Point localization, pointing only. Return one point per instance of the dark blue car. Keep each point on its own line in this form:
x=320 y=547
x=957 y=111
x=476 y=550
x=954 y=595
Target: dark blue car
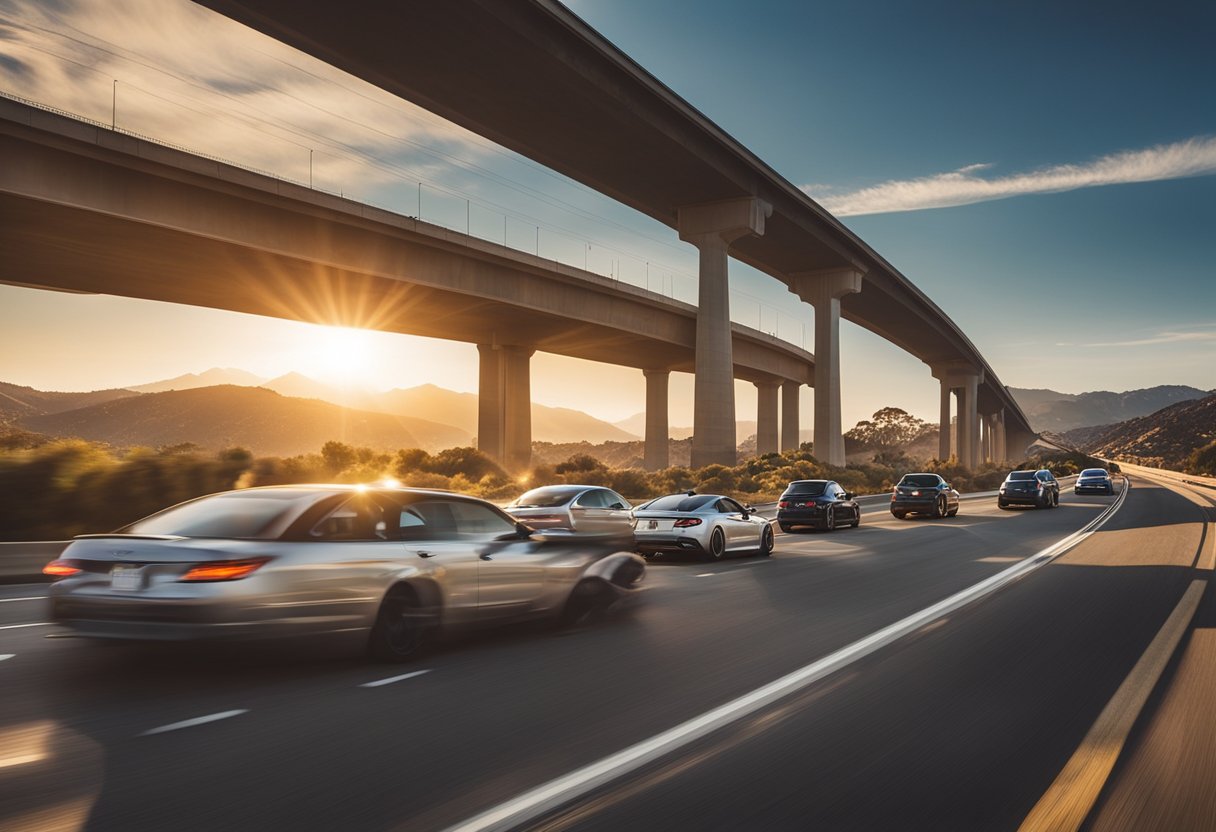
x=923 y=494
x=821 y=504
x=1094 y=481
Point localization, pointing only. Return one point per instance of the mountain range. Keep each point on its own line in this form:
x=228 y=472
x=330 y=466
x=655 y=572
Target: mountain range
x=1050 y=410
x=1164 y=439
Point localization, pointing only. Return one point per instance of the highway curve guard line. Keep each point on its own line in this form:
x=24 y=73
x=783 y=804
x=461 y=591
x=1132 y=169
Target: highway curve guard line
x=562 y=790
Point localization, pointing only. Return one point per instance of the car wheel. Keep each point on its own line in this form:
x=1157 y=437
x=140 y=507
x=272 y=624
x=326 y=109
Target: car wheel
x=857 y=517
x=1001 y=504
x=403 y=627
x=586 y=600
x=939 y=508
x=717 y=544
x=1110 y=491
x=766 y=542
x=899 y=515
x=953 y=512
x=829 y=521
x=1055 y=499
x=786 y=527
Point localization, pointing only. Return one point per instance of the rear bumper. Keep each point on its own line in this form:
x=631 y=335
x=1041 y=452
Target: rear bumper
x=801 y=518
x=918 y=504
x=1020 y=499
x=1094 y=489
x=668 y=543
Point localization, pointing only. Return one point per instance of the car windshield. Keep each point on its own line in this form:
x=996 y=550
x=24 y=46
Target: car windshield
x=919 y=480
x=547 y=497
x=242 y=514
x=679 y=502
x=1093 y=472
x=1021 y=475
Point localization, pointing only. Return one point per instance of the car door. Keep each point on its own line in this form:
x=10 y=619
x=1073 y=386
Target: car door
x=591 y=512
x=510 y=571
x=618 y=512
x=427 y=532
x=740 y=533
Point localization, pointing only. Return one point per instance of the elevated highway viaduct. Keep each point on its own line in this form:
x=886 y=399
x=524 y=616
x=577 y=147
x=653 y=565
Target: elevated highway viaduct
x=87 y=209
x=535 y=78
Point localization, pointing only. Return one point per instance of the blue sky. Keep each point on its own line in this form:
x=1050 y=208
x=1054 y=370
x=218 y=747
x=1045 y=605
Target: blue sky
x=1072 y=145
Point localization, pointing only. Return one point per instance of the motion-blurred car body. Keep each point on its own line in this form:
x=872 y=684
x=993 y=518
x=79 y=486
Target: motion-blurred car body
x=821 y=504
x=924 y=494
x=580 y=508
x=396 y=564
x=1029 y=488
x=1094 y=481
x=711 y=525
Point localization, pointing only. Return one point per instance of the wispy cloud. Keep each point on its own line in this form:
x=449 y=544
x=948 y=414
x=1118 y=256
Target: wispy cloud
x=967 y=185
x=1200 y=335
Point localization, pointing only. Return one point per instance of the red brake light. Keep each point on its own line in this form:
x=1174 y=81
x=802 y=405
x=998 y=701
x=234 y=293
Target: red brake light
x=783 y=504
x=60 y=569
x=685 y=522
x=224 y=570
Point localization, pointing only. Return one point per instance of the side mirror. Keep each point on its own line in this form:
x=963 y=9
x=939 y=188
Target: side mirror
x=848 y=495
x=617 y=507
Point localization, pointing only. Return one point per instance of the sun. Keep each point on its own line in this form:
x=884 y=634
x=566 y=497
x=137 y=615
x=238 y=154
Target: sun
x=344 y=356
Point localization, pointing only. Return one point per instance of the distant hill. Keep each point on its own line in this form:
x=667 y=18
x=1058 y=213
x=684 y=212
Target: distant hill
x=18 y=402
x=1053 y=411
x=211 y=378
x=252 y=417
x=1165 y=438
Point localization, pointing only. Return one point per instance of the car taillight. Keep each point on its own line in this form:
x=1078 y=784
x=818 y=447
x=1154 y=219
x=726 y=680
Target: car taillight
x=915 y=493
x=783 y=504
x=223 y=570
x=60 y=569
x=685 y=522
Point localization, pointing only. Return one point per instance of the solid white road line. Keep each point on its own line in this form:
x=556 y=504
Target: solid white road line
x=561 y=790
x=4 y=656
x=19 y=626
x=392 y=679
x=30 y=598
x=190 y=723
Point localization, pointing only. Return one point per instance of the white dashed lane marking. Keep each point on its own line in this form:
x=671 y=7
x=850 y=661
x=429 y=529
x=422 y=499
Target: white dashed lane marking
x=190 y=723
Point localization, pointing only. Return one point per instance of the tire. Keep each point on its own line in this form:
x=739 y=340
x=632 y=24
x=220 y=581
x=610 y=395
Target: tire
x=953 y=512
x=766 y=542
x=586 y=600
x=857 y=519
x=899 y=515
x=717 y=544
x=786 y=527
x=939 y=508
x=829 y=522
x=1055 y=499
x=403 y=628
x=1002 y=505
x=1110 y=492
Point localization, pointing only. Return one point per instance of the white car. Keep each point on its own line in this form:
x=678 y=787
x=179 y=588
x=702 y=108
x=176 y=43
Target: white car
x=711 y=525
x=579 y=508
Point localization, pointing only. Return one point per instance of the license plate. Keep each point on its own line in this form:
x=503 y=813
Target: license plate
x=653 y=524
x=125 y=578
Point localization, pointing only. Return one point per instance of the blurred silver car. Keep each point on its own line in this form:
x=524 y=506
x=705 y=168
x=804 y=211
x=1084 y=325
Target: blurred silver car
x=396 y=564
x=580 y=508
x=707 y=524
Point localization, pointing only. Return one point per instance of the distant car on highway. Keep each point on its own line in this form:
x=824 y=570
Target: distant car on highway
x=397 y=565
x=1032 y=488
x=1093 y=480
x=924 y=494
x=711 y=525
x=580 y=508
x=820 y=504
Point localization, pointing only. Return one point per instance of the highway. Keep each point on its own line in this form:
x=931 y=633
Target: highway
x=962 y=718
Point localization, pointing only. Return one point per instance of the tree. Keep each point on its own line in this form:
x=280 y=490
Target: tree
x=1203 y=460
x=891 y=428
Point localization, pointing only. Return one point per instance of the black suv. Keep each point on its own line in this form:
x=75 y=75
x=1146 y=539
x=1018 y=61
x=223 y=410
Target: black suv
x=818 y=503
x=1029 y=488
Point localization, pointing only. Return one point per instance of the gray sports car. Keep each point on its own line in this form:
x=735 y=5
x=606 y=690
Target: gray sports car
x=397 y=564
x=707 y=524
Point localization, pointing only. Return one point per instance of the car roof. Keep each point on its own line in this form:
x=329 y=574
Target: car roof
x=322 y=489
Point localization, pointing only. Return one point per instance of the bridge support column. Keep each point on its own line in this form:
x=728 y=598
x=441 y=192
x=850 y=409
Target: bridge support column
x=1001 y=453
x=790 y=432
x=943 y=437
x=766 y=417
x=504 y=405
x=711 y=228
x=964 y=380
x=823 y=290
x=657 y=429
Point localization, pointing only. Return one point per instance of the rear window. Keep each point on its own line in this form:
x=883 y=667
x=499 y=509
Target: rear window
x=920 y=480
x=242 y=514
x=679 y=502
x=807 y=488
x=1021 y=475
x=548 y=497
x=1094 y=472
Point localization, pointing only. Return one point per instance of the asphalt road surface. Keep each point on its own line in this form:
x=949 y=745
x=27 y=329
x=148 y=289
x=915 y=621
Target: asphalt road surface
x=962 y=718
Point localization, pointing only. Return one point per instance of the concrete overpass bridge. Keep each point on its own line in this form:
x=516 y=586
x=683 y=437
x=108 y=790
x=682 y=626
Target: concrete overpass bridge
x=534 y=77
x=86 y=209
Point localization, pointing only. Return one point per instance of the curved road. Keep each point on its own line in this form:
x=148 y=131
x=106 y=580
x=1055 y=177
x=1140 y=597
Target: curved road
x=964 y=723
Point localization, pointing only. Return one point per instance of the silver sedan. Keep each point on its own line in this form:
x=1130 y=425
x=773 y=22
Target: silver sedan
x=580 y=508
x=397 y=565
x=710 y=525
